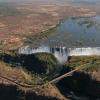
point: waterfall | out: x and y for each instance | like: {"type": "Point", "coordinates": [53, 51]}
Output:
{"type": "Point", "coordinates": [89, 51]}
{"type": "Point", "coordinates": [30, 50]}
{"type": "Point", "coordinates": [61, 53]}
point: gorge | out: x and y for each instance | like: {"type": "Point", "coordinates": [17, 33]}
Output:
{"type": "Point", "coordinates": [62, 53]}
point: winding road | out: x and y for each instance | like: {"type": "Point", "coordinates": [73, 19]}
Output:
{"type": "Point", "coordinates": [16, 83]}
{"type": "Point", "coordinates": [50, 82]}
{"type": "Point", "coordinates": [69, 73]}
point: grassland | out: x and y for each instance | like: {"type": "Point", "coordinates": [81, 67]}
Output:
{"type": "Point", "coordinates": [77, 61]}
{"type": "Point", "coordinates": [20, 24]}
{"type": "Point", "coordinates": [92, 68]}
{"type": "Point", "coordinates": [33, 70]}
{"type": "Point", "coordinates": [39, 66]}
{"type": "Point", "coordinates": [27, 24]}
{"type": "Point", "coordinates": [84, 82]}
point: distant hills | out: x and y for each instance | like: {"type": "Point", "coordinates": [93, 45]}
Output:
{"type": "Point", "coordinates": [54, 1]}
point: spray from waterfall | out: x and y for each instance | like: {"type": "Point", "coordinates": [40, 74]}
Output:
{"type": "Point", "coordinates": [61, 53]}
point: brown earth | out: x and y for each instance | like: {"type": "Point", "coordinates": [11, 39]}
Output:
{"type": "Point", "coordinates": [93, 71]}
{"type": "Point", "coordinates": [33, 19]}
{"type": "Point", "coordinates": [15, 74]}
{"type": "Point", "coordinates": [19, 76]}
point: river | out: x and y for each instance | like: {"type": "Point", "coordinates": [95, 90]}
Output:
{"type": "Point", "coordinates": [76, 32]}
{"type": "Point", "coordinates": [82, 34]}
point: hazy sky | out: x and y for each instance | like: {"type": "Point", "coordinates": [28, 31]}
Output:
{"type": "Point", "coordinates": [24, 0]}
{"type": "Point", "coordinates": [34, 0]}
{"type": "Point", "coordinates": [49, 0]}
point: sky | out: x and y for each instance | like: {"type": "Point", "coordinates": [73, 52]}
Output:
{"type": "Point", "coordinates": [50, 0]}
{"type": "Point", "coordinates": [33, 0]}
{"type": "Point", "coordinates": [21, 0]}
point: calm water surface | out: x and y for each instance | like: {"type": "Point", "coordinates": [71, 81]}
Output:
{"type": "Point", "coordinates": [76, 32]}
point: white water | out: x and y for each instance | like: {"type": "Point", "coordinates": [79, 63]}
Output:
{"type": "Point", "coordinates": [62, 53]}
{"type": "Point", "coordinates": [85, 51]}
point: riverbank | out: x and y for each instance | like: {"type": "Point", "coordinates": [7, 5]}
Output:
{"type": "Point", "coordinates": [33, 21]}
{"type": "Point", "coordinates": [29, 82]}
{"type": "Point", "coordinates": [40, 68]}
{"type": "Point", "coordinates": [46, 92]}
{"type": "Point", "coordinates": [83, 84]}
{"type": "Point", "coordinates": [36, 39]}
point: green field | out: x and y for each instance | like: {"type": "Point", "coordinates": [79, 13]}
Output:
{"type": "Point", "coordinates": [92, 63]}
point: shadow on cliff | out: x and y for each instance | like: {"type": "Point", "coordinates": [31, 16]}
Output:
{"type": "Point", "coordinates": [9, 92]}
{"type": "Point", "coordinates": [38, 63]}
{"type": "Point", "coordinates": [80, 84]}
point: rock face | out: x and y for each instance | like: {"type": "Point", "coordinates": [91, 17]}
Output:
{"type": "Point", "coordinates": [94, 88]}
{"type": "Point", "coordinates": [61, 53]}
{"type": "Point", "coordinates": [11, 92]}
{"type": "Point", "coordinates": [82, 84]}
{"type": "Point", "coordinates": [41, 63]}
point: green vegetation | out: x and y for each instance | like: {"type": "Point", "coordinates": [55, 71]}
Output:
{"type": "Point", "coordinates": [94, 63]}
{"type": "Point", "coordinates": [81, 82]}
{"type": "Point", "coordinates": [44, 34]}
{"type": "Point", "coordinates": [48, 61]}
{"type": "Point", "coordinates": [39, 65]}
{"type": "Point", "coordinates": [11, 92]}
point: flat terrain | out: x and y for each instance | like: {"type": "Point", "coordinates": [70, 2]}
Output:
{"type": "Point", "coordinates": [17, 75]}
{"type": "Point", "coordinates": [93, 68]}
{"type": "Point", "coordinates": [25, 81]}
{"type": "Point", "coordinates": [19, 22]}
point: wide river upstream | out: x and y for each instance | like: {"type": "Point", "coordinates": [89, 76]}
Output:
{"type": "Point", "coordinates": [76, 32]}
{"type": "Point", "coordinates": [77, 36]}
